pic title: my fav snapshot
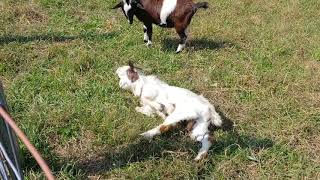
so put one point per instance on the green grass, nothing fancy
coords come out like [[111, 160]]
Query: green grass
[[257, 60]]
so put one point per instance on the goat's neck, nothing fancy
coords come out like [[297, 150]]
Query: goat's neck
[[148, 13], [137, 86], [143, 2]]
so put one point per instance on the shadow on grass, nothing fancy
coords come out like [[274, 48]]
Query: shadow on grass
[[137, 151], [175, 141], [171, 44], [6, 39]]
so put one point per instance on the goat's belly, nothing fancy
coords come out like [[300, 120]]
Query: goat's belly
[[170, 24]]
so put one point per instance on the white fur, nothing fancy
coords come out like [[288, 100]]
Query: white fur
[[149, 43], [206, 143], [126, 7], [145, 36], [181, 104], [167, 8], [180, 47]]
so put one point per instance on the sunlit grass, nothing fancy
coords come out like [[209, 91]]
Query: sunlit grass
[[257, 60]]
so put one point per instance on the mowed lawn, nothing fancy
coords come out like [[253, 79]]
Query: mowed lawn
[[258, 61]]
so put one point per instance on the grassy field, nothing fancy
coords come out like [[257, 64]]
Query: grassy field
[[258, 61]]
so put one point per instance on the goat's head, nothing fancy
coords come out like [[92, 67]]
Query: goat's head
[[128, 75], [128, 8]]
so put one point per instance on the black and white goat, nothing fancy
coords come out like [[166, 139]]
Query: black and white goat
[[165, 13]]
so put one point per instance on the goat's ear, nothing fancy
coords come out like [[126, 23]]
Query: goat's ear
[[119, 5], [132, 73], [130, 63]]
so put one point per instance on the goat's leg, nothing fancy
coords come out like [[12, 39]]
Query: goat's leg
[[200, 133], [206, 143], [145, 35], [169, 123], [147, 29], [156, 105], [183, 38], [178, 116], [150, 108], [166, 110], [146, 110], [159, 109]]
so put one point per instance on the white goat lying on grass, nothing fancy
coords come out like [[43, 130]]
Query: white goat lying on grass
[[173, 104]]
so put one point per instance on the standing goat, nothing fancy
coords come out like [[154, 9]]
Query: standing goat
[[165, 13]]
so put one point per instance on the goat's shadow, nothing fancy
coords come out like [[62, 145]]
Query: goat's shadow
[[162, 146], [54, 37], [169, 44]]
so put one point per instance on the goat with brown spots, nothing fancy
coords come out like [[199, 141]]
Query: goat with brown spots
[[165, 13]]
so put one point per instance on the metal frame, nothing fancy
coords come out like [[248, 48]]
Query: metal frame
[[9, 149]]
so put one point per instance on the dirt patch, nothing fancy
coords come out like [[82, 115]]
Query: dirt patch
[[29, 14], [81, 148]]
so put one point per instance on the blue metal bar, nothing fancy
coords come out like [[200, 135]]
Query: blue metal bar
[[14, 169], [3, 172], [2, 99]]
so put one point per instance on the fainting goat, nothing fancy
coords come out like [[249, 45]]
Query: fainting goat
[[165, 13], [172, 103]]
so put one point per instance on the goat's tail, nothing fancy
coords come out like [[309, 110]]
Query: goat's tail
[[214, 116], [216, 119], [200, 5]]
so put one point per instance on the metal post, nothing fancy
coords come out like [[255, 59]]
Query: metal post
[[9, 140]]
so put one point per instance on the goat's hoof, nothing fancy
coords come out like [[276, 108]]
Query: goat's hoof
[[147, 135], [177, 52], [201, 156], [141, 110], [180, 48], [149, 43], [138, 109]]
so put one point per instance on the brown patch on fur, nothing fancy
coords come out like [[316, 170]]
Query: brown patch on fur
[[132, 73], [211, 138], [133, 76], [165, 128], [190, 125], [152, 7], [162, 109], [183, 12]]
